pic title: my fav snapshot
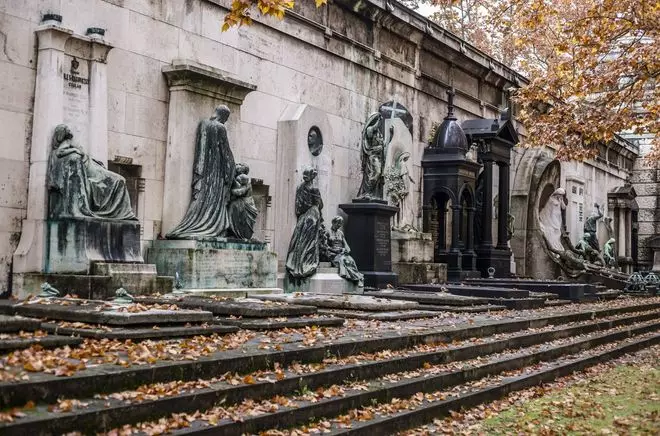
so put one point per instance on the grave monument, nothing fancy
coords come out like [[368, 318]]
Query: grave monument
[[369, 216], [210, 250]]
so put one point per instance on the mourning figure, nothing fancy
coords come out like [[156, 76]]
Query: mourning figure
[[373, 158], [339, 253], [80, 186], [551, 221], [207, 216], [302, 258], [242, 210]]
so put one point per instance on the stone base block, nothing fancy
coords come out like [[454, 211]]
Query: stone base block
[[73, 244], [218, 264], [411, 247], [420, 273], [229, 293], [497, 258], [325, 281], [136, 278]]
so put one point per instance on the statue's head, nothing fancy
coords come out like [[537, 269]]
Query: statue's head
[[61, 134], [611, 241], [586, 236], [242, 168], [309, 174], [221, 113], [312, 137], [560, 192], [337, 222]]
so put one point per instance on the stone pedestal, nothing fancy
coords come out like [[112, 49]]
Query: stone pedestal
[[498, 258], [325, 281], [73, 244], [654, 244], [367, 231], [223, 264], [412, 258]]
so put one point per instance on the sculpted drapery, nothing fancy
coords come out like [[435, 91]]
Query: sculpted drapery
[[340, 253], [80, 186], [373, 158], [213, 176]]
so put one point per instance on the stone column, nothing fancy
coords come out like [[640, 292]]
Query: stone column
[[98, 100], [628, 229], [503, 206], [469, 243], [621, 242], [455, 223], [487, 208], [48, 113]]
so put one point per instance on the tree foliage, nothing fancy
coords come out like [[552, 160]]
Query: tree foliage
[[592, 64]]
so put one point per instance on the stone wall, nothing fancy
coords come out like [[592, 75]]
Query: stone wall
[[344, 59]]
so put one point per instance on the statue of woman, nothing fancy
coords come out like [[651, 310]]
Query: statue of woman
[[80, 186], [398, 182], [242, 210], [302, 258], [608, 253], [373, 157], [339, 253], [551, 219], [213, 176]]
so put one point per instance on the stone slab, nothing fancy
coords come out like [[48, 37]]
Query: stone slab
[[10, 343], [282, 323], [472, 291], [108, 314], [7, 307], [395, 315], [139, 333], [420, 273], [519, 303], [440, 298], [230, 293], [325, 281], [11, 324], [351, 302], [247, 307], [571, 291], [464, 309], [215, 264]]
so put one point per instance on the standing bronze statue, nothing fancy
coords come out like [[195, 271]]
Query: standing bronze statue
[[213, 176], [242, 210], [302, 258], [373, 158], [80, 186]]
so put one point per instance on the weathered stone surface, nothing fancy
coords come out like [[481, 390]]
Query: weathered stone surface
[[281, 323], [248, 307], [468, 309], [420, 273], [74, 243], [10, 324], [351, 302], [413, 247], [221, 264], [381, 316], [437, 298], [104, 313], [119, 333], [11, 343], [325, 281], [472, 291]]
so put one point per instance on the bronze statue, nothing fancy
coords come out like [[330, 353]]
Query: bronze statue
[[80, 186], [373, 157], [242, 210], [339, 253], [302, 258], [213, 177]]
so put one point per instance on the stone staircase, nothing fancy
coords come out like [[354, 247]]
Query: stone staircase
[[359, 384]]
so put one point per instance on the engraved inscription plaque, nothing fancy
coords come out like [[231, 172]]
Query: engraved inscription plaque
[[76, 98]]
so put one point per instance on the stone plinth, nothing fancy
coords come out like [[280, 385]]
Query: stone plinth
[[221, 264], [654, 244], [73, 244], [411, 247], [325, 281], [368, 233], [497, 258], [420, 273]]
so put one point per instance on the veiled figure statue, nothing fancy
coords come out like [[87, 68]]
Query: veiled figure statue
[[551, 219], [242, 210], [212, 181], [608, 253], [591, 226], [302, 258], [373, 158], [339, 253], [80, 186]]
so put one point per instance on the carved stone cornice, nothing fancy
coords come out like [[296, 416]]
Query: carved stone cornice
[[201, 79]]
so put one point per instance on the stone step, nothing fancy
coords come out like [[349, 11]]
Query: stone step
[[472, 291], [103, 414], [437, 298], [107, 378], [138, 333], [243, 307]]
